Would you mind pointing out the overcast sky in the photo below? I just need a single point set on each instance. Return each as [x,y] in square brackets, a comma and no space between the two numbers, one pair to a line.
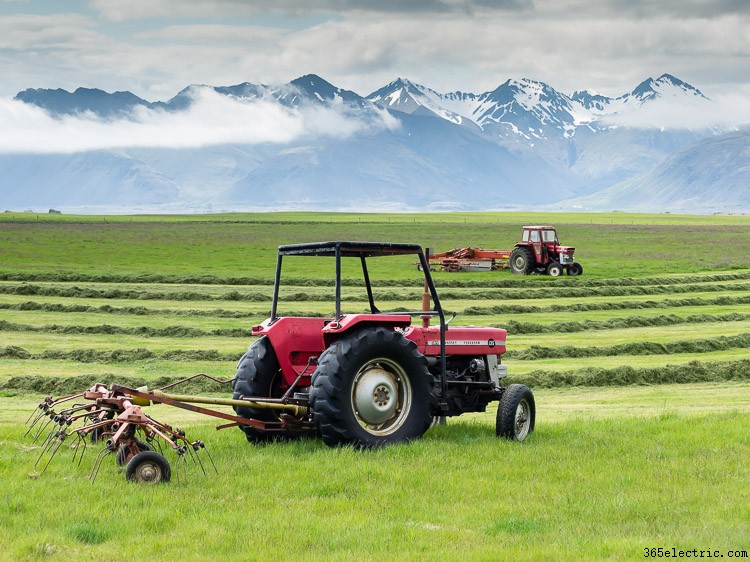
[154,48]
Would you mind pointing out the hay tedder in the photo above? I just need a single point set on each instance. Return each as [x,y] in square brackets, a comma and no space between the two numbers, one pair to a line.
[358,379]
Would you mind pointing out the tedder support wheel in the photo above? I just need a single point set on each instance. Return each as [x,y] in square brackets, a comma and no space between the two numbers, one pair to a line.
[521,261]
[516,413]
[148,467]
[554,269]
[371,388]
[575,269]
[258,374]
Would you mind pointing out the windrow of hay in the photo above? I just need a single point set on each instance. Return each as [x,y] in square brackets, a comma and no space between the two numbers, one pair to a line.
[516,327]
[60,386]
[619,305]
[471,310]
[144,331]
[119,355]
[692,372]
[498,280]
[705,345]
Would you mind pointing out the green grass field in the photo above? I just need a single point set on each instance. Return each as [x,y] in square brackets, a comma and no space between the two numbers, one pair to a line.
[621,460]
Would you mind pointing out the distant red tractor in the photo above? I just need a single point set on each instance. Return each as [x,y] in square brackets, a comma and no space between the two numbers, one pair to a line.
[539,251]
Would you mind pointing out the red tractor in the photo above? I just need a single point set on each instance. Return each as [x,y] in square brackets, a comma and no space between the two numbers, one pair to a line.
[370,379]
[539,251]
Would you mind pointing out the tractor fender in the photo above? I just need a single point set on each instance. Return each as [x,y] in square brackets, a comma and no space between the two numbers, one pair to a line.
[349,322]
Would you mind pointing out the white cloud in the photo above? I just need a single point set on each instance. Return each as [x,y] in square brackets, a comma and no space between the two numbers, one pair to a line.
[473,45]
[725,113]
[212,119]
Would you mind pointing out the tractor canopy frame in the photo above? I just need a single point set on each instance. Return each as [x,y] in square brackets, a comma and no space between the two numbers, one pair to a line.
[364,250]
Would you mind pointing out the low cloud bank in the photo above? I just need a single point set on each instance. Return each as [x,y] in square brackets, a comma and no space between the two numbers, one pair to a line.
[725,112]
[212,119]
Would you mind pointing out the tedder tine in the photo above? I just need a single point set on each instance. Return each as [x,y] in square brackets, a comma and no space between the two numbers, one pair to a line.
[39,407]
[98,463]
[57,448]
[39,416]
[43,427]
[197,459]
[81,439]
[203,446]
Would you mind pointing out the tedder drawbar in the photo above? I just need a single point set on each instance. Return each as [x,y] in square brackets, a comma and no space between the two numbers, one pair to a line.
[358,379]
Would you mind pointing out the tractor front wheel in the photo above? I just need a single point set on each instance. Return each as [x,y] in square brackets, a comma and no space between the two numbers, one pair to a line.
[575,269]
[371,389]
[516,413]
[521,261]
[554,269]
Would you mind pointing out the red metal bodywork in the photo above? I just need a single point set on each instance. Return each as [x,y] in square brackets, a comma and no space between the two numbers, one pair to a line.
[297,339]
[470,259]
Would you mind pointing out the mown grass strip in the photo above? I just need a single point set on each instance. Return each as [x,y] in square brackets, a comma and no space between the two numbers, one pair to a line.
[145,331]
[585,307]
[493,280]
[59,386]
[613,291]
[470,311]
[513,326]
[301,296]
[118,355]
[516,327]
[692,372]
[33,306]
[706,345]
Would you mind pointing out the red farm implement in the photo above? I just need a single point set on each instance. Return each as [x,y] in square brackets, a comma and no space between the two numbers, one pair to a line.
[538,252]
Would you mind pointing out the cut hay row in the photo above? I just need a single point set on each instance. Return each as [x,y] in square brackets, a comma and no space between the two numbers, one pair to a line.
[692,372]
[500,280]
[496,310]
[513,326]
[507,309]
[621,305]
[707,345]
[143,331]
[532,353]
[411,296]
[516,327]
[119,355]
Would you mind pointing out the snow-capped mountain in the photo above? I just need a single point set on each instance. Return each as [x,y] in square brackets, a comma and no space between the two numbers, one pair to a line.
[407,97]
[523,143]
[527,108]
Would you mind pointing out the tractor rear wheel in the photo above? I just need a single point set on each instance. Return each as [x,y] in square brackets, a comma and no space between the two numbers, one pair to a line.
[521,261]
[575,269]
[258,375]
[370,389]
[516,413]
